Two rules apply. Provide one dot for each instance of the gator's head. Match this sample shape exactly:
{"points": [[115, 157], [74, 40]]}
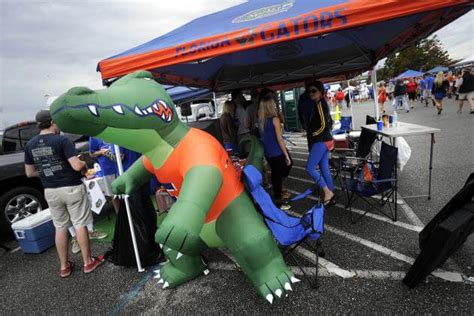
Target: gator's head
{"points": [[134, 102]]}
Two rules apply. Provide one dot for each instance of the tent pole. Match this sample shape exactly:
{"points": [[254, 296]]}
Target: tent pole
{"points": [[215, 103], [350, 105], [374, 88], [129, 215]]}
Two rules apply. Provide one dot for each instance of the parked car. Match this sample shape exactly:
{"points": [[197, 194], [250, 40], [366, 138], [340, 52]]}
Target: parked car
{"points": [[198, 111], [21, 196]]}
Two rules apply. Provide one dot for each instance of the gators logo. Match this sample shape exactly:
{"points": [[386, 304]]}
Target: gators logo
{"points": [[163, 111], [265, 12]]}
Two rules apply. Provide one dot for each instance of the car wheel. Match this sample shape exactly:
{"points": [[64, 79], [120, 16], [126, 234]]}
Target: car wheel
{"points": [[17, 204]]}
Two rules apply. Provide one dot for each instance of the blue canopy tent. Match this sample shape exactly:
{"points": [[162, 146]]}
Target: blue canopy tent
{"points": [[184, 94], [274, 42], [409, 74], [268, 42], [437, 69]]}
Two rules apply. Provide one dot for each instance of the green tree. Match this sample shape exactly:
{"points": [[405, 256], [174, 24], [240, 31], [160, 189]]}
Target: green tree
{"points": [[422, 56]]}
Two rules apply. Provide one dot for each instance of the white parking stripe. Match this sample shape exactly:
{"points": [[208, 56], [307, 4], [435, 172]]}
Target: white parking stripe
{"points": [[371, 215]]}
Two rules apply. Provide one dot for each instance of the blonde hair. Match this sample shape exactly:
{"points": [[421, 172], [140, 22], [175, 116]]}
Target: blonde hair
{"points": [[266, 109], [229, 107], [439, 78]]}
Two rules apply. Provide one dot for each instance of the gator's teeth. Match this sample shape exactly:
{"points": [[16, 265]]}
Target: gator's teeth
{"points": [[288, 287], [93, 110], [118, 109], [149, 110], [166, 285], [164, 104], [155, 107], [179, 255], [163, 116], [278, 292], [138, 111]]}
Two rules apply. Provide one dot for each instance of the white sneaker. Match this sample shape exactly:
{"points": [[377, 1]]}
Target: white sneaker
{"points": [[75, 246]]}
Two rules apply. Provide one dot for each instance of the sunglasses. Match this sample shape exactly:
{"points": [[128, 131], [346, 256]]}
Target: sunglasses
{"points": [[313, 90]]}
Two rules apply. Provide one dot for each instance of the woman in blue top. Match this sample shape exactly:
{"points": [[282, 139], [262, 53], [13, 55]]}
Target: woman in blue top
{"points": [[274, 146], [320, 142]]}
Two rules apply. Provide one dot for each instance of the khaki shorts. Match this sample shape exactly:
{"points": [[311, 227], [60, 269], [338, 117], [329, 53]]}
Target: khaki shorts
{"points": [[466, 96], [69, 206]]}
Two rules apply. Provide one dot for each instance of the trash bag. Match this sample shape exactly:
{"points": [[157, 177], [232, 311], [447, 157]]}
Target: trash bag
{"points": [[144, 224], [404, 152]]}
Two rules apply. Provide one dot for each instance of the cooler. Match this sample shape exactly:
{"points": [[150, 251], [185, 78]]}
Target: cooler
{"points": [[35, 233]]}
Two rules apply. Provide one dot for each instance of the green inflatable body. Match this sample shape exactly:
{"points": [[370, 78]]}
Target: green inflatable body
{"points": [[212, 209]]}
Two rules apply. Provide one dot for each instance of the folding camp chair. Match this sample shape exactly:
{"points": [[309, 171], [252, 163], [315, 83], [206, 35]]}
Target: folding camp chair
{"points": [[375, 183], [349, 159], [289, 231]]}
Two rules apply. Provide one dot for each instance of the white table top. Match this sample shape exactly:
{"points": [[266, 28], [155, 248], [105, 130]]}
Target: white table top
{"points": [[403, 129]]}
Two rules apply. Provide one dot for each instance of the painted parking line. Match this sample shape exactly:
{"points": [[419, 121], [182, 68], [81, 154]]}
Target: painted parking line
{"points": [[371, 215]]}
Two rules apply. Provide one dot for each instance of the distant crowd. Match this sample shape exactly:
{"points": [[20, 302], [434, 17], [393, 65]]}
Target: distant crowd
{"points": [[426, 89]]}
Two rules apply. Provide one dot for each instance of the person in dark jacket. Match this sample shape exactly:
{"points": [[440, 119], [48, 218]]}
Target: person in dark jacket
{"points": [[466, 90], [440, 88], [305, 108], [228, 127], [400, 94], [320, 142]]}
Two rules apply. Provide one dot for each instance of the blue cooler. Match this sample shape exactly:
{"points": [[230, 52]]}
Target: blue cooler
{"points": [[35, 233]]}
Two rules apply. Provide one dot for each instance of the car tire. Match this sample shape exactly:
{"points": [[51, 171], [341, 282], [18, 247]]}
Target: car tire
{"points": [[15, 198]]}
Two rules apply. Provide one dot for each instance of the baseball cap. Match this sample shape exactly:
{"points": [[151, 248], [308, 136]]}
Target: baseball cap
{"points": [[43, 119]]}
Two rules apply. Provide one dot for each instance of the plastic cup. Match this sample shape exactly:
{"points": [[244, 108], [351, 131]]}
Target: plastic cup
{"points": [[390, 119], [379, 125]]}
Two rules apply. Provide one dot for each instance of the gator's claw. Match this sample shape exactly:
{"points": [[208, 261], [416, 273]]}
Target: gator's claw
{"points": [[177, 237], [277, 286]]}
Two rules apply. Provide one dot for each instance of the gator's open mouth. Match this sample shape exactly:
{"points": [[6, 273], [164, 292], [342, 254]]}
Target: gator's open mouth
{"points": [[158, 107]]}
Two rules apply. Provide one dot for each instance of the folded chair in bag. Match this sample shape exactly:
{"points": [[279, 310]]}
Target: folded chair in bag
{"points": [[375, 183], [289, 231]]}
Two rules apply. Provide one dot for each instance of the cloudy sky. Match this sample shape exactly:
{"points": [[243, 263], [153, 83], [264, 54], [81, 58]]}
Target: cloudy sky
{"points": [[48, 46]]}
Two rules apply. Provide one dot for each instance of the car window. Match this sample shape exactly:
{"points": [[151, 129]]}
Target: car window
{"points": [[27, 133], [11, 140]]}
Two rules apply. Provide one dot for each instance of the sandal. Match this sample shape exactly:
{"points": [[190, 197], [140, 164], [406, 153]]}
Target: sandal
{"points": [[64, 273], [331, 201]]}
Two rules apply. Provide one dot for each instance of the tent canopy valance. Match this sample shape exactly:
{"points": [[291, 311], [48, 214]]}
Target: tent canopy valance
{"points": [[271, 42]]}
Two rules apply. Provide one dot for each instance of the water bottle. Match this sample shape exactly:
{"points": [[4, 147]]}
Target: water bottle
{"points": [[98, 170], [395, 118]]}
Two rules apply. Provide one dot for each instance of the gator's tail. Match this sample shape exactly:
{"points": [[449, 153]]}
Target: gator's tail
{"points": [[255, 156]]}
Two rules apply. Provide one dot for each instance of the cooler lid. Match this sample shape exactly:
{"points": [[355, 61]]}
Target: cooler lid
{"points": [[33, 220]]}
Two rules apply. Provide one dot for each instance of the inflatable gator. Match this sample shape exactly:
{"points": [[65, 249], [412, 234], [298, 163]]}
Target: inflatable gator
{"points": [[212, 209]]}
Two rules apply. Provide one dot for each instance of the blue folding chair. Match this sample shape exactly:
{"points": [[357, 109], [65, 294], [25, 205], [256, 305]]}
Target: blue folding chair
{"points": [[289, 231]]}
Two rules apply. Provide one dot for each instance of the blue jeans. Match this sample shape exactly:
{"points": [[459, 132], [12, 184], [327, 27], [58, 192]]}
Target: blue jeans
{"points": [[401, 99], [319, 156]]}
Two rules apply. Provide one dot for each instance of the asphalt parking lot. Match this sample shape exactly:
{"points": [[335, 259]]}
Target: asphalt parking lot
{"points": [[361, 272]]}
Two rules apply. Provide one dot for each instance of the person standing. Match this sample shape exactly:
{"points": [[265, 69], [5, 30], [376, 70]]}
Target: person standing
{"points": [[382, 97], [240, 114], [440, 88], [412, 86], [52, 157], [400, 94], [427, 94], [305, 108], [320, 142], [105, 154], [228, 127], [275, 150], [466, 90]]}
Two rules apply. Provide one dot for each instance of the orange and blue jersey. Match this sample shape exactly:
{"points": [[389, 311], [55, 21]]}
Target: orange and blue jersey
{"points": [[198, 148]]}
